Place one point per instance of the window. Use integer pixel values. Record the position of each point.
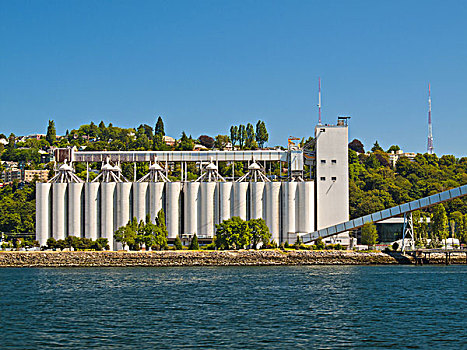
(322, 130)
(323, 161)
(333, 178)
(323, 178)
(334, 161)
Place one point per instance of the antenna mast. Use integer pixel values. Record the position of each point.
(430, 147)
(319, 100)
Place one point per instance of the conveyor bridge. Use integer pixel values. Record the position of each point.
(386, 214)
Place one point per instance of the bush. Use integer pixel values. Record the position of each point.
(194, 243)
(395, 246)
(286, 244)
(319, 244)
(178, 243)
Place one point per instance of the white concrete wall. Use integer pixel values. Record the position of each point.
(191, 202)
(59, 210)
(273, 202)
(156, 199)
(43, 205)
(140, 192)
(108, 204)
(91, 214)
(75, 197)
(173, 208)
(332, 162)
(206, 225)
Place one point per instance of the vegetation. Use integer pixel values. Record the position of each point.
(194, 243)
(145, 233)
(178, 243)
(369, 234)
(78, 243)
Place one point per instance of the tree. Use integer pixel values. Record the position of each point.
(357, 146)
(369, 234)
(376, 147)
(234, 134)
(51, 243)
(439, 222)
(51, 136)
(206, 141)
(393, 148)
(159, 129)
(221, 141)
(250, 141)
(233, 233)
(185, 143)
(262, 135)
(126, 234)
(194, 243)
(178, 243)
(241, 135)
(259, 232)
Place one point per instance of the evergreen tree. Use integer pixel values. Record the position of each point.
(234, 134)
(241, 135)
(376, 147)
(159, 129)
(262, 135)
(51, 136)
(250, 142)
(178, 243)
(194, 243)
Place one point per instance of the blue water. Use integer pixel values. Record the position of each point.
(312, 307)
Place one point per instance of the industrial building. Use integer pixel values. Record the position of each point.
(303, 203)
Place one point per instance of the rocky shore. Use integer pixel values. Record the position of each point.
(204, 258)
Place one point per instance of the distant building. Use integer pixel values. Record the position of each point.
(169, 141)
(394, 156)
(11, 175)
(36, 136)
(42, 175)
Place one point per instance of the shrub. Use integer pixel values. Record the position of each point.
(319, 244)
(194, 243)
(178, 243)
(395, 246)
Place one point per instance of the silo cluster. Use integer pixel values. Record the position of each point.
(97, 209)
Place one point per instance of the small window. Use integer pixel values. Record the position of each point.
(333, 178)
(323, 161)
(322, 130)
(334, 161)
(323, 178)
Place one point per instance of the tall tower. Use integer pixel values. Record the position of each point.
(430, 147)
(319, 101)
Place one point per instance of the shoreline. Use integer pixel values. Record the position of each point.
(208, 258)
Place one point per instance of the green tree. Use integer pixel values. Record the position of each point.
(178, 243)
(259, 232)
(159, 129)
(233, 233)
(126, 234)
(394, 148)
(194, 243)
(51, 136)
(262, 135)
(369, 234)
(440, 222)
(221, 141)
(242, 135)
(376, 147)
(250, 141)
(234, 134)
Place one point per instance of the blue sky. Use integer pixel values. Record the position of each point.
(205, 65)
